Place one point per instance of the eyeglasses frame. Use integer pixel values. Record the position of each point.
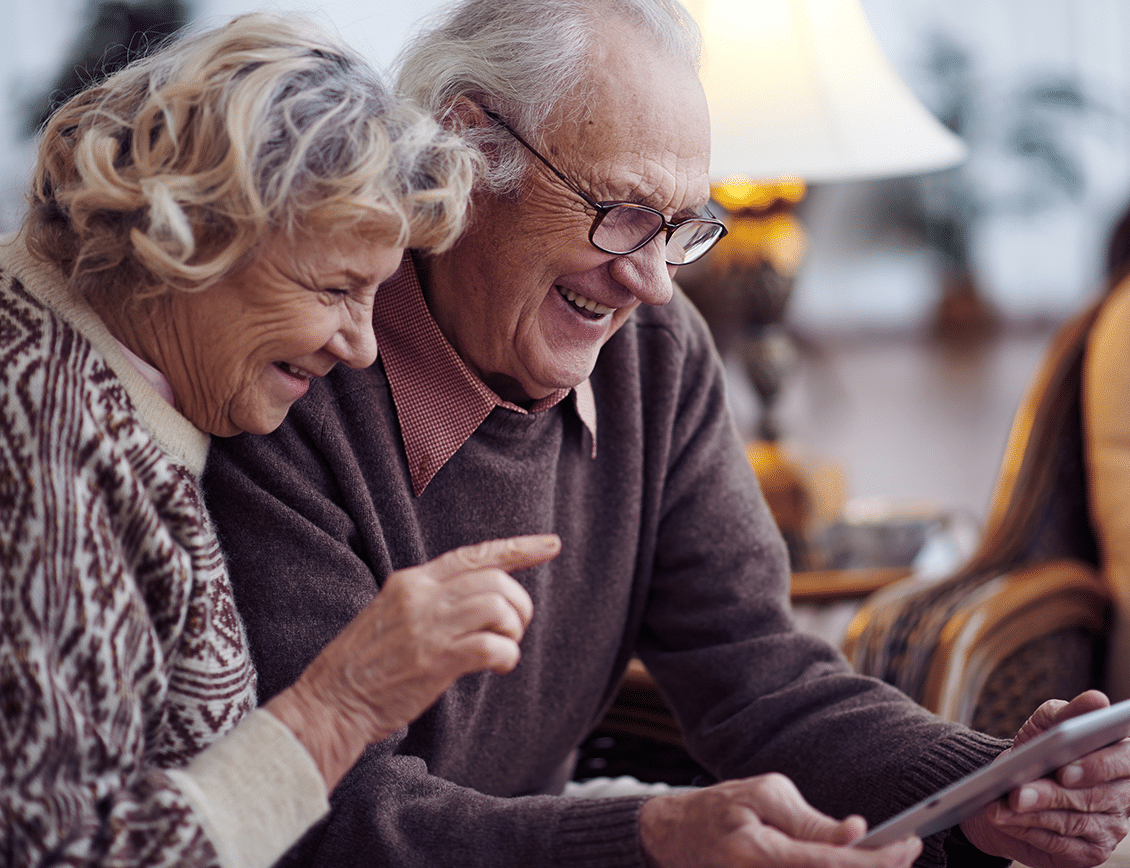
(603, 209)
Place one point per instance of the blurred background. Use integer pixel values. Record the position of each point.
(919, 306)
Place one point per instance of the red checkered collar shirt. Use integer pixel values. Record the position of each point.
(439, 401)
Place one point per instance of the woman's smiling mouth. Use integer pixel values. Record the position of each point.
(592, 308)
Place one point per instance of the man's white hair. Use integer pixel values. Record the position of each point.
(521, 59)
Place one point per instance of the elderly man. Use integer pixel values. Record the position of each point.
(543, 375)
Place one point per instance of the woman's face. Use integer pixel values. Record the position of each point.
(239, 353)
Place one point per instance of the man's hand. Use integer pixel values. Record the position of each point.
(1071, 821)
(762, 821)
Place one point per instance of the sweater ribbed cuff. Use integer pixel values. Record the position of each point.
(600, 833)
(941, 765)
(256, 791)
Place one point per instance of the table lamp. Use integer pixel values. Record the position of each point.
(799, 92)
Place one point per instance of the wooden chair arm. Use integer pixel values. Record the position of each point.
(824, 585)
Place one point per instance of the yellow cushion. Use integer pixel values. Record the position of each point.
(1106, 430)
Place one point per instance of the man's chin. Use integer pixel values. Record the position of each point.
(517, 392)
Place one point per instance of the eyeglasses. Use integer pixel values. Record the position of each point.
(621, 228)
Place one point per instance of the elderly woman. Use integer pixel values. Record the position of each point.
(206, 235)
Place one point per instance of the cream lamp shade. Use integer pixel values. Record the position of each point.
(801, 88)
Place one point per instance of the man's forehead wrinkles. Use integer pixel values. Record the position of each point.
(648, 182)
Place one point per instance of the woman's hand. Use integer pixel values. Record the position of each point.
(428, 626)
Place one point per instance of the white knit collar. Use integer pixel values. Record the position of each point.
(169, 428)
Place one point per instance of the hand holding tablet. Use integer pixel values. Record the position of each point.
(1063, 743)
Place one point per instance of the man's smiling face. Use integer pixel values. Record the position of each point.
(524, 298)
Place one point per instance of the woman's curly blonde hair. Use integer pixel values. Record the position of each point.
(170, 172)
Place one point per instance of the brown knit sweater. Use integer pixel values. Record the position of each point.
(669, 552)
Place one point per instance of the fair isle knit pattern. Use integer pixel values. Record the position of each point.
(120, 649)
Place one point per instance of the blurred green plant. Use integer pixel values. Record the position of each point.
(119, 31)
(1025, 157)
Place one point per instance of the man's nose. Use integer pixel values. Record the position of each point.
(645, 273)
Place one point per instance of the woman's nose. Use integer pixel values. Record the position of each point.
(355, 343)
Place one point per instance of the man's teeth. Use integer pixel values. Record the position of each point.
(585, 303)
(293, 371)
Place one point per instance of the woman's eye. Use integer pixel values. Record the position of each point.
(336, 290)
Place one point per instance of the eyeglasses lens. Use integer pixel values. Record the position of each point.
(691, 240)
(625, 228)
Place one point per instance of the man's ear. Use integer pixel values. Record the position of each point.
(465, 118)
(465, 114)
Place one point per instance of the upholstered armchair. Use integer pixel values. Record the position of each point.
(1106, 411)
(1026, 619)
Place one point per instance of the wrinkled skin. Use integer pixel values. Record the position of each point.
(1072, 820)
(760, 821)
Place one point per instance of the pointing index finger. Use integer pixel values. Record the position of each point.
(512, 553)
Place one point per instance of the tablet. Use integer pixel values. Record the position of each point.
(1060, 745)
